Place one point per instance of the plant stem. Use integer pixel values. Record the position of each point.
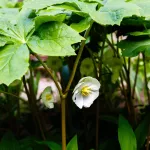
(145, 77)
(64, 95)
(112, 46)
(147, 142)
(29, 100)
(32, 106)
(123, 87)
(50, 73)
(77, 60)
(12, 95)
(129, 96)
(63, 123)
(97, 102)
(94, 62)
(25, 86)
(33, 102)
(136, 75)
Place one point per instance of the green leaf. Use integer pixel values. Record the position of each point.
(73, 145)
(37, 4)
(19, 28)
(114, 11)
(8, 13)
(114, 63)
(25, 25)
(55, 39)
(144, 6)
(51, 145)
(70, 8)
(14, 62)
(139, 33)
(87, 67)
(9, 142)
(126, 135)
(55, 63)
(141, 131)
(4, 40)
(50, 14)
(133, 48)
(8, 3)
(82, 25)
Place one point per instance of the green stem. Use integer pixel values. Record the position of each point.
(147, 142)
(29, 100)
(112, 46)
(136, 75)
(50, 73)
(12, 95)
(33, 102)
(25, 86)
(97, 102)
(77, 60)
(129, 96)
(63, 123)
(94, 62)
(63, 96)
(145, 77)
(123, 87)
(32, 107)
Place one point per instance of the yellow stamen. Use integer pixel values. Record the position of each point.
(85, 91)
(48, 97)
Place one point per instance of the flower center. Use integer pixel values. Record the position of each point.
(48, 97)
(85, 91)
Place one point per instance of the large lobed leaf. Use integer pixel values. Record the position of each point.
(50, 14)
(114, 11)
(14, 62)
(82, 25)
(8, 13)
(54, 39)
(19, 28)
(144, 6)
(14, 57)
(126, 135)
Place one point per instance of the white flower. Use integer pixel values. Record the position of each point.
(47, 97)
(85, 92)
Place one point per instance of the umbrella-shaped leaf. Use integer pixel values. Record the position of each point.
(55, 39)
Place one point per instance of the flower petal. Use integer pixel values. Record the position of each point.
(88, 101)
(78, 86)
(86, 79)
(94, 87)
(78, 100)
(50, 105)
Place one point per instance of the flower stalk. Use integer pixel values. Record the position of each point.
(64, 95)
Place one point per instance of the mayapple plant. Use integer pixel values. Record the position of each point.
(47, 28)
